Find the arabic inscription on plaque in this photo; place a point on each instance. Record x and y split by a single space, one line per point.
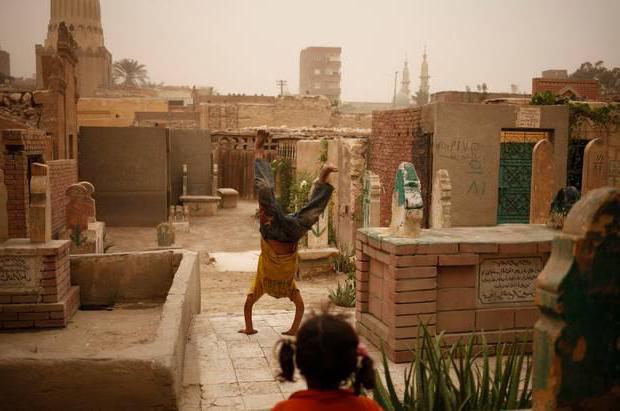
508 280
18 274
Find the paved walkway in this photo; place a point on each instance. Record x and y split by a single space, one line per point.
225 370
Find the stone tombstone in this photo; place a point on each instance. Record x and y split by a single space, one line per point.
576 353
165 235
184 179
40 216
508 280
441 200
80 209
595 166
215 181
562 203
90 189
372 200
318 236
543 182
407 212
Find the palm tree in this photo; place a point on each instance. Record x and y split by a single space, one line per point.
129 73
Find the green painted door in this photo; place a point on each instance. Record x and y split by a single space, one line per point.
515 175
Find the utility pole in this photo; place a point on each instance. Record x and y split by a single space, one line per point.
395 81
281 84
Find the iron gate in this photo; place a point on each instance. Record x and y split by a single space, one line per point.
515 175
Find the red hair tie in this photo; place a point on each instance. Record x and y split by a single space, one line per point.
362 350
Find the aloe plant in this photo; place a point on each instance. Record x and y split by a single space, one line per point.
459 377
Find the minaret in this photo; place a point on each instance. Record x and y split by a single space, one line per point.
424 92
404 84
83 19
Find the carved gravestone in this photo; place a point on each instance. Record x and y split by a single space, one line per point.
576 340
543 182
80 209
372 200
561 205
184 179
40 215
595 166
85 232
407 213
318 236
441 200
165 235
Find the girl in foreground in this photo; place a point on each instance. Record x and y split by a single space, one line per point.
328 353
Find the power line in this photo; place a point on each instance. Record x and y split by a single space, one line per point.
281 84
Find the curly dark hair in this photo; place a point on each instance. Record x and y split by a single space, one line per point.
326 355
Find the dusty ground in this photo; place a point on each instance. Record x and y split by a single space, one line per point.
88 333
225 369
231 234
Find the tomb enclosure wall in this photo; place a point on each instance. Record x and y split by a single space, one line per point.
611 137
62 174
463 139
116 111
287 111
129 167
35 284
191 147
451 281
466 143
391 142
20 147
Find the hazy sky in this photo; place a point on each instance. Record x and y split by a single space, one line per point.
244 46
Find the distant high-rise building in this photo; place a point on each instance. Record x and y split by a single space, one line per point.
83 19
319 71
425 88
5 63
403 98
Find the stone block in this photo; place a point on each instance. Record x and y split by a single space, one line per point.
415 308
518 248
458 259
201 206
456 321
526 317
479 248
404 273
457 276
229 197
496 319
413 260
456 299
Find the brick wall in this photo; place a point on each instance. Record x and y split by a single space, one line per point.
400 283
18 145
55 300
586 89
391 143
63 173
15 179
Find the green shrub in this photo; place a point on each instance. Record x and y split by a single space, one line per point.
344 261
458 378
344 294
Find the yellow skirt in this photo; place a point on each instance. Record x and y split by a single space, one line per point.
275 274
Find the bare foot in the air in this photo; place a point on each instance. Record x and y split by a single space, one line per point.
326 170
292 333
248 332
